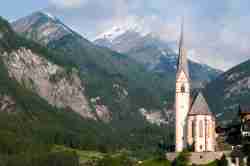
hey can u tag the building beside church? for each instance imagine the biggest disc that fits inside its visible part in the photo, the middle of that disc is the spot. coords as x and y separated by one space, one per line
244 114
195 124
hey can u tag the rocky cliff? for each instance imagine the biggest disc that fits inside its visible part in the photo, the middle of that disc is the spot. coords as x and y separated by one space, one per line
7 103
159 117
60 88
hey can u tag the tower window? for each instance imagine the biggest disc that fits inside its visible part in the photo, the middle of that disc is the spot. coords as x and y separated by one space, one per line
193 128
201 128
208 129
182 89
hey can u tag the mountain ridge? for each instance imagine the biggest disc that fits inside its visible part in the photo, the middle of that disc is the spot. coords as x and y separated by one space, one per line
106 73
232 90
57 28
36 122
157 55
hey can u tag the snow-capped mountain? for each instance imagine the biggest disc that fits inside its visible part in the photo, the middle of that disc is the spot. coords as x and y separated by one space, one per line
149 49
129 38
118 30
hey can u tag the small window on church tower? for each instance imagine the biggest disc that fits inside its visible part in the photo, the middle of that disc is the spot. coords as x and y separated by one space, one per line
182 89
201 128
193 128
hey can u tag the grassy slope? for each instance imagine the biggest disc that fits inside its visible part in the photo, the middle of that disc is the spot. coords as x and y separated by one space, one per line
84 156
155 162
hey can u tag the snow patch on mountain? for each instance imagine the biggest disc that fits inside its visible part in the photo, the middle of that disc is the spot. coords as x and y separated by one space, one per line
119 30
49 15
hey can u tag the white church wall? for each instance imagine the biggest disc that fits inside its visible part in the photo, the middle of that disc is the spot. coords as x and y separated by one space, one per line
191 132
204 139
212 135
182 108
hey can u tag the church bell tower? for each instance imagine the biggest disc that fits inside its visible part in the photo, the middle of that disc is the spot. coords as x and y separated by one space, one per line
182 97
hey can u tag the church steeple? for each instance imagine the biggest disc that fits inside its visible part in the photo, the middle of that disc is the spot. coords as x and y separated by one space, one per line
182 97
182 59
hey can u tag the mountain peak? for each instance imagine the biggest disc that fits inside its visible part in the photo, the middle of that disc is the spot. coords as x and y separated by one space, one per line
49 15
44 25
39 15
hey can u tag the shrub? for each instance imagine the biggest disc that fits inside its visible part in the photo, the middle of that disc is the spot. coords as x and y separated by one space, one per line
49 159
118 160
223 161
182 159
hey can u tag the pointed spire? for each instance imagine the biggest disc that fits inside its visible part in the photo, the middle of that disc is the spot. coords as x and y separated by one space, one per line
182 34
182 59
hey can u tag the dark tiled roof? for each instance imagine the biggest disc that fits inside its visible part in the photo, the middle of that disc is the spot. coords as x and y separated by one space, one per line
200 106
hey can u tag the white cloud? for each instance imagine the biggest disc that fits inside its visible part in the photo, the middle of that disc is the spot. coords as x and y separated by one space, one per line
68 3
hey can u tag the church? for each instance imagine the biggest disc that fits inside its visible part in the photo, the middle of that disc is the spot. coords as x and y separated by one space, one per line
195 123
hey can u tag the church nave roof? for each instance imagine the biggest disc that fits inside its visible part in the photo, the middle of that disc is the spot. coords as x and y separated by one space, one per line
200 106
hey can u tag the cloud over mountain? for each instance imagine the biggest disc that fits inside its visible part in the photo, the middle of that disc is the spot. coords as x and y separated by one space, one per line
216 31
68 3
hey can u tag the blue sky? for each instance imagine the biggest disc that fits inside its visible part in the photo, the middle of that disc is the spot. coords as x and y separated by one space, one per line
13 9
216 31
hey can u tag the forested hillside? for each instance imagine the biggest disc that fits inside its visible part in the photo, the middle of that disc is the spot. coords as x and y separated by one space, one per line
101 69
30 127
230 90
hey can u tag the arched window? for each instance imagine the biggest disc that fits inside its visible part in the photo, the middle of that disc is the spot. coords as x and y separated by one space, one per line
208 128
201 128
182 89
193 129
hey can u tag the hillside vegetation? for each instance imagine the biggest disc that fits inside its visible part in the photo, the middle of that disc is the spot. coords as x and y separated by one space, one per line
101 69
230 90
32 128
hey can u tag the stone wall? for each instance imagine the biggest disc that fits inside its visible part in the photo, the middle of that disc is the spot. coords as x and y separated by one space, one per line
199 158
